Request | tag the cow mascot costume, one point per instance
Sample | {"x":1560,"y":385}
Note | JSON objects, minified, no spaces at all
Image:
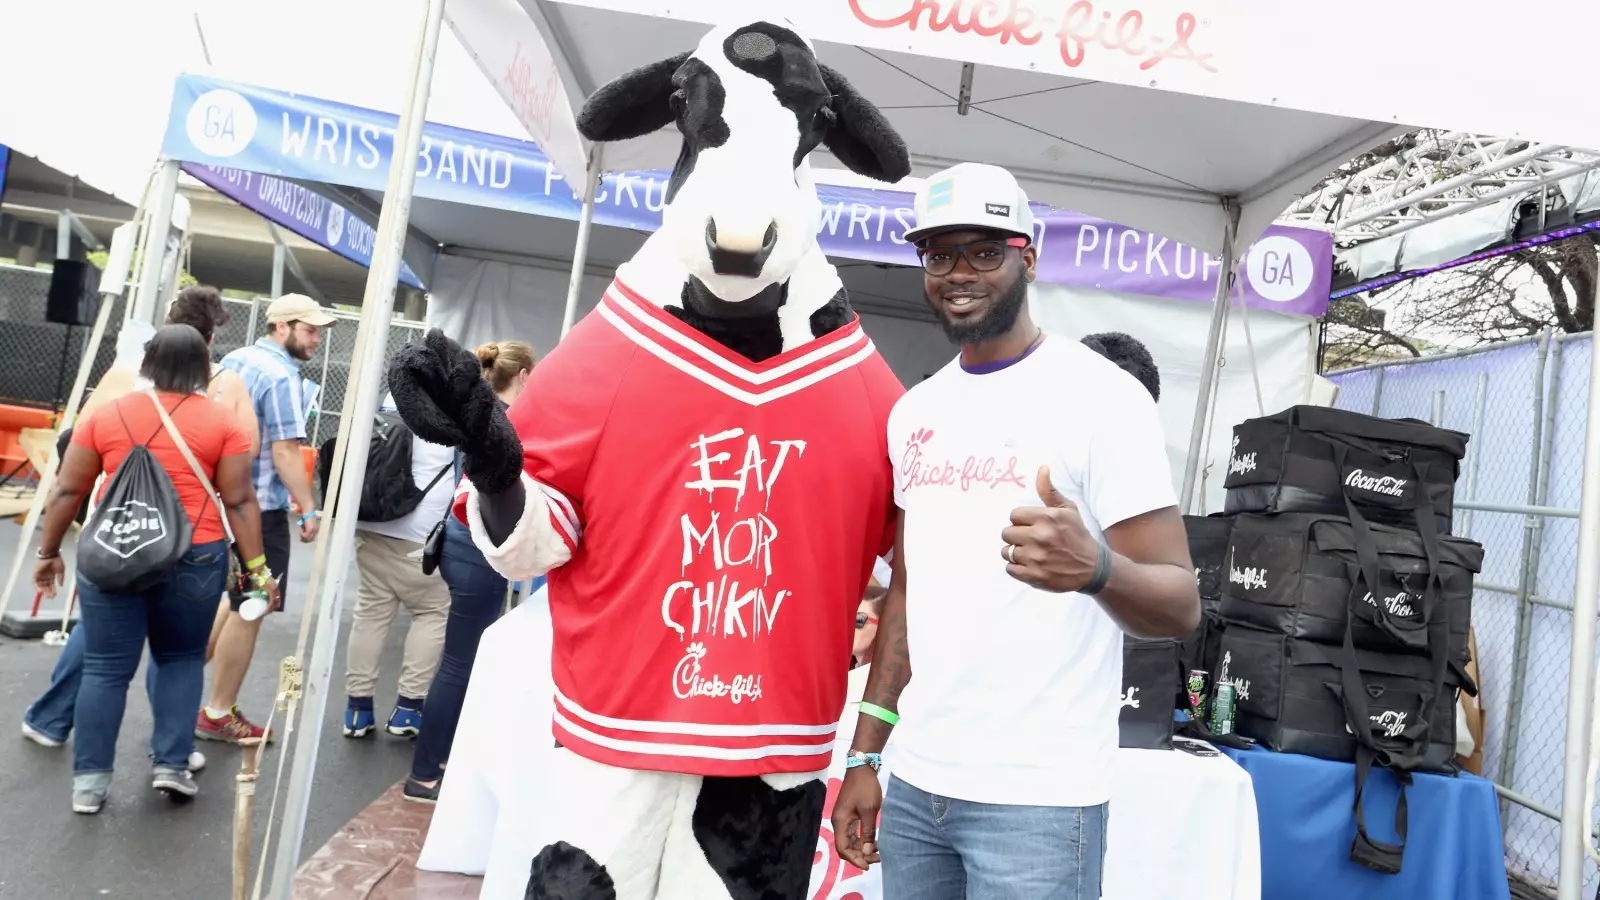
{"x":701,"y":468}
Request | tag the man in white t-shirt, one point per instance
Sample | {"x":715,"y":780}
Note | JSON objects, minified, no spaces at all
{"x":1038,"y":523}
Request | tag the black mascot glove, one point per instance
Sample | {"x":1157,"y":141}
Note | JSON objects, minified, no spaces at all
{"x":444,"y":399}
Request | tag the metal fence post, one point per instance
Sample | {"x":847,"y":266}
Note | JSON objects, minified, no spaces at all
{"x":1524,"y":623}
{"x":1476,"y":449}
{"x":1377,"y":391}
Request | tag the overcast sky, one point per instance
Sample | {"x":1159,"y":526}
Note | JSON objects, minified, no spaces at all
{"x":101,"y":71}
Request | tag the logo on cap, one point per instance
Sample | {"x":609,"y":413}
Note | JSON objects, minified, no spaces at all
{"x":997,"y":209}
{"x":941,"y":194}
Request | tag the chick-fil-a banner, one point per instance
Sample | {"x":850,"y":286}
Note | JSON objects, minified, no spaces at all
{"x":244,"y":128}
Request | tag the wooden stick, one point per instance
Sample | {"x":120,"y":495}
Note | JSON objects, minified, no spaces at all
{"x":244,"y":803}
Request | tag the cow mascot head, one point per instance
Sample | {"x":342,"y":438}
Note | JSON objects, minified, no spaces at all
{"x":737,"y":255}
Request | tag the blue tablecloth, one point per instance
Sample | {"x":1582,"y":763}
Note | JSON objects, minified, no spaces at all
{"x":1305,"y":806}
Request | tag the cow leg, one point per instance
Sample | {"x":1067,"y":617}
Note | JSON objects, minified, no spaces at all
{"x":608,"y":827}
{"x":744,"y":838}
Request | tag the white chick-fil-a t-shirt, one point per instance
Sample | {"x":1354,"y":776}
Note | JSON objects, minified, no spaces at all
{"x":1015,"y":692}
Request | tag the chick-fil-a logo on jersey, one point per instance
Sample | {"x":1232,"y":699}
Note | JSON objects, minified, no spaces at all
{"x":916,"y":470}
{"x":1083,"y":27}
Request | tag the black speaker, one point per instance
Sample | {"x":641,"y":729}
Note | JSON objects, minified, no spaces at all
{"x":74,"y":293}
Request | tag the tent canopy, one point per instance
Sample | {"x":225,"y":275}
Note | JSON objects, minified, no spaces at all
{"x":1153,"y":160}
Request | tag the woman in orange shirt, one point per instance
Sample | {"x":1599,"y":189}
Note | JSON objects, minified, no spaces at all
{"x":174,"y":616}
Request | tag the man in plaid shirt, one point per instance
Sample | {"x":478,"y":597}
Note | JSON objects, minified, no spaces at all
{"x":271,"y":371}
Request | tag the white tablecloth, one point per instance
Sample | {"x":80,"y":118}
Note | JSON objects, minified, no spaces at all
{"x":1181,"y":826}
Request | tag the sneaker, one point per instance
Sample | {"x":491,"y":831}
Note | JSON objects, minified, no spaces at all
{"x":417,"y":792}
{"x":358,"y":723}
{"x":404,"y":722}
{"x":39,"y":737}
{"x":175,"y":784}
{"x":232,"y":728}
{"x":88,"y":802}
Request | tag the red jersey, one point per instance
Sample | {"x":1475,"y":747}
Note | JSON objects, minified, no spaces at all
{"x":723,"y":517}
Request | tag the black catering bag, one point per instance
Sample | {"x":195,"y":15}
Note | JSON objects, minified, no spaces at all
{"x":1300,"y":575}
{"x":1312,"y":458}
{"x":1152,"y":679}
{"x":1208,"y":550}
{"x":1288,"y":694}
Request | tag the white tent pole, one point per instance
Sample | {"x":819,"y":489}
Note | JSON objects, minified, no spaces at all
{"x":1581,"y":670}
{"x":1208,"y":370}
{"x":153,"y":260}
{"x":580,"y":253}
{"x":377,"y":308}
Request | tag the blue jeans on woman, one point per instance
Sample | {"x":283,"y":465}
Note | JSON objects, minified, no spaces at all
{"x":938,"y":848}
{"x":477,"y":595}
{"x":51,"y":715}
{"x":175,"y":618}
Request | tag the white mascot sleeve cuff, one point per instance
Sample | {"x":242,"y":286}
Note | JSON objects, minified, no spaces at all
{"x":544,"y":538}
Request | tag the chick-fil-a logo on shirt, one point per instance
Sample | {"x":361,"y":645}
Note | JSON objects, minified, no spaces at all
{"x":973,"y":472}
{"x":1083,"y":25}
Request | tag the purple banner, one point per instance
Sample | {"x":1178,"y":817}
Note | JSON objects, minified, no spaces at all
{"x":304,"y":212}
{"x":226,"y":133}
{"x":1286,"y":269}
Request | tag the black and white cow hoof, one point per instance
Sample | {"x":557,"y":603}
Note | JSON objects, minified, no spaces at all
{"x":564,"y":872}
{"x":760,"y":841}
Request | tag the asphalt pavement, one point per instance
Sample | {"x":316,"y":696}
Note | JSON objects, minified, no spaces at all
{"x":142,"y":845}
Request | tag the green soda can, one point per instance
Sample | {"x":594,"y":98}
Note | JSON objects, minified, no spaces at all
{"x":1197,"y":693}
{"x":1222,"y":709}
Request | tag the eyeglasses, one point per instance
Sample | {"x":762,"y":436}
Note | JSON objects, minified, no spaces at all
{"x":982,"y":256}
{"x":863,"y":618}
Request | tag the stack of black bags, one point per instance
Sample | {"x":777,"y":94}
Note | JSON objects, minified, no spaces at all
{"x":1335,"y":600}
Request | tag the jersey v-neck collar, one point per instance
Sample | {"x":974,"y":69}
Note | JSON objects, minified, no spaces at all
{"x":667,"y":338}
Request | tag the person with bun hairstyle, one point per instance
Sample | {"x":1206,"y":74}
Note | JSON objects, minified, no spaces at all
{"x":477,"y":596}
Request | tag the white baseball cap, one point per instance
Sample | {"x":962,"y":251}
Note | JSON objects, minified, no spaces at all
{"x":971,"y":195}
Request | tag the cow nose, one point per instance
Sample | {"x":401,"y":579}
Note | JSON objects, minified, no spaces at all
{"x":736,"y":253}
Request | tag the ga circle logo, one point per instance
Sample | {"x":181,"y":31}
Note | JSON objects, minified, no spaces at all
{"x":221,"y":123}
{"x":1279,"y":268}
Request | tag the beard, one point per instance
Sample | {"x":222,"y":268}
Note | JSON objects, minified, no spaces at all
{"x":999,"y":319}
{"x":297,"y":349}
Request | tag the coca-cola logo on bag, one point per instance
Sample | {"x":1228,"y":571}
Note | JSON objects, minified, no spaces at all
{"x":1387,"y":485}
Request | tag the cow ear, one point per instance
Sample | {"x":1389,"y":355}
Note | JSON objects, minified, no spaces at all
{"x":636,"y":104}
{"x":860,"y":136}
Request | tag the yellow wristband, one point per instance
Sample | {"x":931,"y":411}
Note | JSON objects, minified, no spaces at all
{"x":256,"y":563}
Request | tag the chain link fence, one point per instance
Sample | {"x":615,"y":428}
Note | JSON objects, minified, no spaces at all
{"x":42,"y":356}
{"x":1525,"y":406}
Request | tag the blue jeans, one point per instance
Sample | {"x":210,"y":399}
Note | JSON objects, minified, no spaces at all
{"x":51,"y":715}
{"x":936,"y":848}
{"x":477,"y":594}
{"x":175,"y":618}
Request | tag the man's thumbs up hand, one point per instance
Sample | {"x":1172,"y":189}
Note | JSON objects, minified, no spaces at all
{"x":1047,"y":492}
{"x":1049,"y":547}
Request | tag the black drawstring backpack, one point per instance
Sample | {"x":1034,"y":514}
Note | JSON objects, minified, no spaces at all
{"x":140,"y":530}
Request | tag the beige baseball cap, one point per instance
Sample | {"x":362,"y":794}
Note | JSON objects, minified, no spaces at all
{"x":299,"y":308}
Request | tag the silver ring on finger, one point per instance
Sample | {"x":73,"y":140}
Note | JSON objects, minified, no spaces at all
{"x":1011,"y":554}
